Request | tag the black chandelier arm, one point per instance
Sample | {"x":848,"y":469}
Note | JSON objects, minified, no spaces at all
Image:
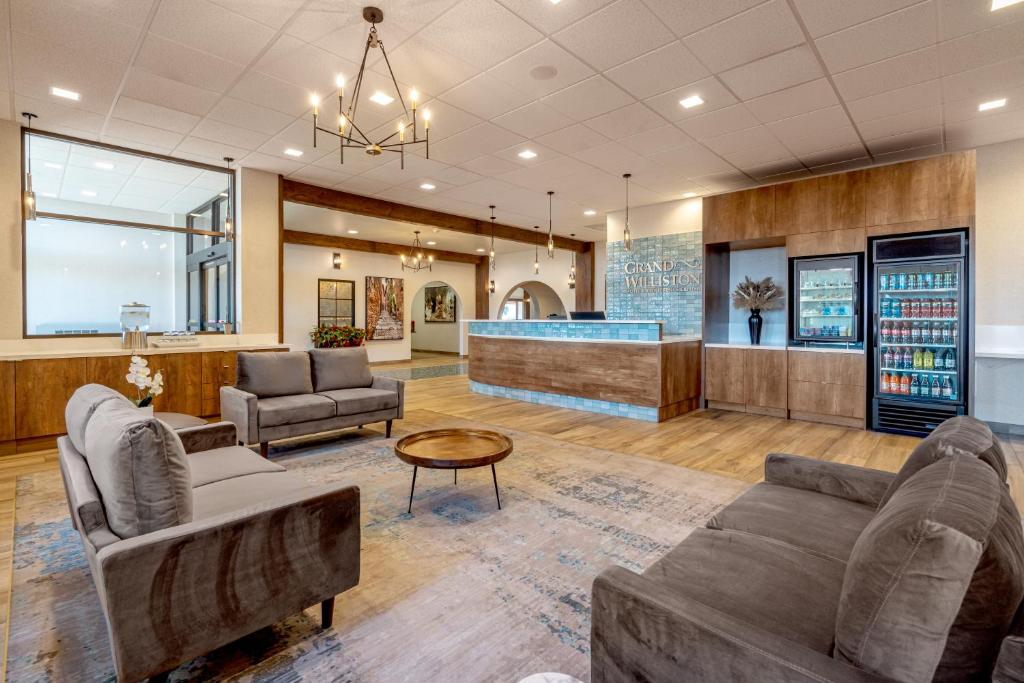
{"x":354,"y":105}
{"x":394,"y":81}
{"x":399,"y":144}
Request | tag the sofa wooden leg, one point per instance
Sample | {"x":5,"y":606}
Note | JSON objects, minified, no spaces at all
{"x":387,"y":429}
{"x":327,"y":613}
{"x":265,"y":449}
{"x":160,"y":678}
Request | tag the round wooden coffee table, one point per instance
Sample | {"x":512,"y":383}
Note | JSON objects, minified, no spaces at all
{"x":453,"y":449}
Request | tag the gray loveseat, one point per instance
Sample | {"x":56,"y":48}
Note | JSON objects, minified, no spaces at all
{"x":192,"y":550}
{"x":287,"y":394}
{"x":829,"y":572}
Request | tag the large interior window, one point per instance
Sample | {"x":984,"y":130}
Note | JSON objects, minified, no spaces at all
{"x":115,"y":227}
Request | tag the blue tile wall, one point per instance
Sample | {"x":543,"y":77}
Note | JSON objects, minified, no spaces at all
{"x":554,"y":329}
{"x":590,"y":405}
{"x":674,"y":294}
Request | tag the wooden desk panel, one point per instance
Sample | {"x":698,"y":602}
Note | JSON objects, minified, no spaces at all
{"x":42,"y":389}
{"x":6,"y":400}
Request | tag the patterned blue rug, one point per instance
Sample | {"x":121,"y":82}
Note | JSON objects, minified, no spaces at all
{"x":457,"y":590}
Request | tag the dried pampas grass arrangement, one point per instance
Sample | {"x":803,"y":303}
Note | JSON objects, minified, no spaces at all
{"x":763,"y":295}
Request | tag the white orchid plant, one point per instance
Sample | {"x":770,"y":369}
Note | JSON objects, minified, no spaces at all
{"x":147,"y":387}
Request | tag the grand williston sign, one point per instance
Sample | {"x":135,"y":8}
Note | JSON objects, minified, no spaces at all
{"x":661,"y":278}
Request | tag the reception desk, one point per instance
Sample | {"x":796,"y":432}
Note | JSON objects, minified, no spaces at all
{"x":622,"y":368}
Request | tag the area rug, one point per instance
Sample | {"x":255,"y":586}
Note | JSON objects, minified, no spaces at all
{"x":455,"y":591}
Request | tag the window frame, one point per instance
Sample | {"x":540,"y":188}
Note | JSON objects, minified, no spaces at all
{"x":190,"y":232}
{"x":335,"y":299}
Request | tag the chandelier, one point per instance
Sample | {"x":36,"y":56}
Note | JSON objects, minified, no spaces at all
{"x":348,"y":130}
{"x":627,"y":239}
{"x":415,"y":260}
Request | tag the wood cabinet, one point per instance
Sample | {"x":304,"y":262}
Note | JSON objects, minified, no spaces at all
{"x":219,"y":370}
{"x":830,"y":242}
{"x":752,"y":380}
{"x":181,"y":373}
{"x":6,"y":401}
{"x":724,"y":375}
{"x":41,"y":390}
{"x":765,"y":385}
{"x":827,"y":387}
{"x":827,"y":203}
{"x":923,"y":190}
{"x":738,"y":216}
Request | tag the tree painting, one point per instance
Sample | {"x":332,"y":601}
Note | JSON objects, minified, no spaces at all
{"x":384,"y":306}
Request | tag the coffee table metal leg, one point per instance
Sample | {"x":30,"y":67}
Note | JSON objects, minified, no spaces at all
{"x":413,"y":488}
{"x":456,"y":477}
{"x":494,"y":474}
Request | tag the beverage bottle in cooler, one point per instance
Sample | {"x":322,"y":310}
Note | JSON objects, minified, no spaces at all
{"x":905,"y":308}
{"x":883,"y":383}
{"x":953,"y":336}
{"x":905,"y":385}
{"x":905,"y":333}
{"x":917,"y":359}
{"x":947,"y":309}
{"x":915,"y":308}
{"x":915,"y":333}
{"x":901,"y":281}
{"x":929,"y":281}
{"x":951,"y":359}
{"x":915,"y":386}
{"x":947,"y":388}
{"x":887,"y":358}
{"x":952,"y":389}
{"x":886,"y":308}
{"x":912,"y":281}
{"x":952,"y":308}
{"x":937,"y":333}
{"x":952,"y":279}
{"x":936,"y":387}
{"x":908,"y":359}
{"x":926,"y":333}
{"x":926,"y":308}
{"x":928,"y":360}
{"x":883,"y":281}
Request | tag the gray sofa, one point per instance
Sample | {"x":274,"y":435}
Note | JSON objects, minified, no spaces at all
{"x":829,"y":572}
{"x":287,"y":394}
{"x":190,"y":550}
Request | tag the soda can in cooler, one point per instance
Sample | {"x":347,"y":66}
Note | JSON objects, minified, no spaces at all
{"x":883,"y":281}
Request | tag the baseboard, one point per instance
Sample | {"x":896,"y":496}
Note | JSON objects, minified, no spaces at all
{"x":852,"y":422}
{"x":1005,"y":428}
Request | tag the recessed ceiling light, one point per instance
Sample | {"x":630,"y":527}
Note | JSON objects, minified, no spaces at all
{"x":427,"y":186}
{"x":691,"y":101}
{"x":993,"y":104}
{"x":688,"y":195}
{"x":105,"y":165}
{"x":353,"y":232}
{"x":381,"y":98}
{"x":292,"y":152}
{"x":481,"y":249}
{"x":66,"y":94}
{"x":88,"y":193}
{"x":590,"y":212}
{"x":1000,"y":4}
{"x":431,"y":243}
{"x":527,"y":154}
{"x":50,"y":164}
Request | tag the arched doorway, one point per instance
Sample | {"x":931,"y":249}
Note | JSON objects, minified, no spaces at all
{"x":436,"y":311}
{"x":531,"y":300}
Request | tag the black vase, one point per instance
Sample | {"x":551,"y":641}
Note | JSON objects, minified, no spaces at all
{"x":754,"y":322}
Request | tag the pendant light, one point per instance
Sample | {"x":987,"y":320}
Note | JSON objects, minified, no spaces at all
{"x":29,"y":197}
{"x":551,"y":235}
{"x":415,"y":260}
{"x":494,"y":260}
{"x":536,"y":255}
{"x":627,"y":239}
{"x":572,"y":268}
{"x":229,"y":227}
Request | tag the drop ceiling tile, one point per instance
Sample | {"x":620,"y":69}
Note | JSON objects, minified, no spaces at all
{"x":469,"y":144}
{"x":957,"y":18}
{"x":151,"y":169}
{"x":81,"y":28}
{"x":186,"y":65}
{"x":889,"y":74}
{"x":905,"y":140}
{"x":209,"y":129}
{"x":137,"y":132}
{"x":719,"y":122}
{"x":202,"y":25}
{"x":896,"y":102}
{"x":574,"y":138}
{"x":42,"y":63}
{"x":665,"y":68}
{"x":910,"y":154}
{"x":164,"y":92}
{"x":246,"y":115}
{"x":894,"y":34}
{"x":614,"y":34}
{"x":779,"y":170}
{"x":751,"y":157}
{"x":272,"y":13}
{"x":822,"y":17}
{"x":799,"y":99}
{"x":389,"y":169}
{"x":972,"y":134}
{"x":808,"y":124}
{"x":512,"y":154}
{"x":533,"y":120}
{"x":347,"y":39}
{"x":737,"y":141}
{"x":130,"y":109}
{"x":299,"y":135}
{"x":426,"y":68}
{"x":851,"y":165}
{"x":955,"y":111}
{"x":300,"y":64}
{"x":488,"y":165}
{"x":753,"y":34}
{"x":842,"y":153}
{"x":317,"y":20}
{"x":589,"y":98}
{"x":445,"y":120}
{"x":485,"y":96}
{"x":724,"y":182}
{"x":714,"y":94}
{"x":210,"y":149}
{"x":657,"y":140}
{"x":57,"y":117}
{"x":546,"y":176}
{"x":271,"y":93}
{"x":150,"y":189}
{"x":688,"y":16}
{"x":781,"y":70}
{"x":541,"y":70}
{"x":273,"y":164}
{"x":983,"y":48}
{"x":626,"y":121}
{"x":453,"y":175}
{"x":689,"y":160}
{"x":548,"y":18}
{"x":927,"y":117}
{"x":985,"y":83}
{"x":614,"y":158}
{"x":820,"y":141}
{"x":480,"y":32}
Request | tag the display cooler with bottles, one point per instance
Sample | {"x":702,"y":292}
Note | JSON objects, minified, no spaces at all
{"x":919,"y":292}
{"x":825,"y":300}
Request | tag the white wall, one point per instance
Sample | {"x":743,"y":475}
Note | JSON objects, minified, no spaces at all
{"x":434,"y":336}
{"x":256,"y":195}
{"x":304,"y":265}
{"x":670,"y":218}
{"x":516,"y":268}
{"x":758,"y":264}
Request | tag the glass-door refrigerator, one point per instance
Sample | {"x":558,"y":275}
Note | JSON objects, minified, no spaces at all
{"x":825,"y":300}
{"x":919,"y":358}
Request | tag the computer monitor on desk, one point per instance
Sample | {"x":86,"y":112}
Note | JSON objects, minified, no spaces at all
{"x":587,"y":315}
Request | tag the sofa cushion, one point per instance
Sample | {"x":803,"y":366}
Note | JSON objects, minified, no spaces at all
{"x":82,"y":405}
{"x":340,"y":368}
{"x":963,"y":432}
{"x":285,"y":410}
{"x":911,"y":568}
{"x":776,"y":586}
{"x":218,"y":464}
{"x":238,"y":493}
{"x":823,"y":524}
{"x":140,"y":470}
{"x":277,"y":373}
{"x":362,"y":400}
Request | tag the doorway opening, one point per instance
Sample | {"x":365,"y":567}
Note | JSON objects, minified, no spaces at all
{"x":531,"y":300}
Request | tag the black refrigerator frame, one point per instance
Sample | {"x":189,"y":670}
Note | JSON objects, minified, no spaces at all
{"x":916,"y":416}
{"x":855,"y":340}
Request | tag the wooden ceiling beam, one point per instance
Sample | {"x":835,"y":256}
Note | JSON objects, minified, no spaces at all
{"x":303,"y":193}
{"x":315,"y":239}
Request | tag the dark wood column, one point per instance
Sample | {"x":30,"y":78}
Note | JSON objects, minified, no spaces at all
{"x":585,"y":278}
{"x":483,"y":295}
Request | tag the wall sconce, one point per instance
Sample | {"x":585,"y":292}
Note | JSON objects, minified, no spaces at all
{"x":336,"y":261}
{"x":490,"y":287}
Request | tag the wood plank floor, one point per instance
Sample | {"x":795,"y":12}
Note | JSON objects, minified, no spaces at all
{"x":725,"y":443}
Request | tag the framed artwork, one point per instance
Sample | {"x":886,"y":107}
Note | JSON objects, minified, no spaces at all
{"x":438,"y":304}
{"x":384,"y":306}
{"x":336,"y":301}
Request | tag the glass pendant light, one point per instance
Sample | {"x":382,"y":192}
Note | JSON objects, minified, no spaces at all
{"x":572,"y":268}
{"x":229,"y":227}
{"x":627,"y":239}
{"x":494,"y":260}
{"x":536,"y":255}
{"x":551,"y":235}
{"x":29,"y":197}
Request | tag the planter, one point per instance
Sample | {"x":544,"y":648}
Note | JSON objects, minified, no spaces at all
{"x":755,"y":322}
{"x":148,"y":410}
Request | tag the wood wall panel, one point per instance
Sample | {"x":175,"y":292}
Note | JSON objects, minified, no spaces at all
{"x":737,"y":216}
{"x":7,"y":432}
{"x":680,"y":372}
{"x":799,"y":206}
{"x":42,"y":389}
{"x":725,"y":375}
{"x":823,"y":243}
{"x":481,"y":285}
{"x":765,"y":375}
{"x":837,"y":400}
{"x":585,"y":272}
{"x":608,"y":371}
{"x":844,"y":200}
{"x":934,"y":188}
{"x":827,"y":368}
